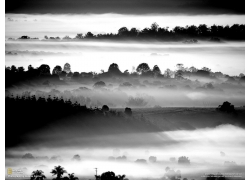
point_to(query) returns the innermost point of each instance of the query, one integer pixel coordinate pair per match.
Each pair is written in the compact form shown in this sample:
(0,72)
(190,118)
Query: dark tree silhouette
(226,107)
(123,31)
(105,108)
(89,35)
(67,68)
(128,111)
(79,36)
(37,175)
(111,176)
(44,69)
(156,70)
(114,69)
(142,68)
(58,171)
(57,70)
(71,177)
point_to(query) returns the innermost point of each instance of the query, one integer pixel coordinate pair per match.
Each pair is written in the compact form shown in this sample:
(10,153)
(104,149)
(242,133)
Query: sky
(69,17)
(126,6)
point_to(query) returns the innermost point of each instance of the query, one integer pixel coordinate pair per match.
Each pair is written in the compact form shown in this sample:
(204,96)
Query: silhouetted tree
(58,171)
(57,70)
(128,111)
(105,108)
(156,70)
(67,68)
(37,175)
(20,69)
(142,68)
(72,177)
(79,36)
(123,31)
(44,69)
(89,35)
(114,69)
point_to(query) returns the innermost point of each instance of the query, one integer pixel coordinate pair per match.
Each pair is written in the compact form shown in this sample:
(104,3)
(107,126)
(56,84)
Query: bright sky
(17,25)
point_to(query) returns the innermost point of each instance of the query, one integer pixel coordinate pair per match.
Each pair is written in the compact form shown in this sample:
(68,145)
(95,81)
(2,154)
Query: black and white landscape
(118,90)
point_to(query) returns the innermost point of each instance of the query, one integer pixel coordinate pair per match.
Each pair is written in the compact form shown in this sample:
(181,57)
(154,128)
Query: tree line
(28,113)
(14,75)
(155,32)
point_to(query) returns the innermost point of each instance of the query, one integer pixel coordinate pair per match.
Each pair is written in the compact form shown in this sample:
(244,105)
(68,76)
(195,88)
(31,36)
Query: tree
(241,75)
(206,69)
(111,176)
(66,37)
(142,68)
(179,66)
(89,35)
(128,111)
(44,69)
(192,69)
(46,37)
(168,73)
(183,160)
(114,69)
(123,31)
(76,75)
(67,68)
(154,27)
(30,67)
(72,177)
(133,32)
(57,70)
(203,30)
(13,69)
(76,157)
(179,74)
(37,175)
(105,108)
(156,70)
(20,69)
(99,84)
(79,36)
(58,171)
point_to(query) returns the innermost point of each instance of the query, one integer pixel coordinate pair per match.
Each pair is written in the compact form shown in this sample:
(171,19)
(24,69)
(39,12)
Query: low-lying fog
(227,58)
(207,149)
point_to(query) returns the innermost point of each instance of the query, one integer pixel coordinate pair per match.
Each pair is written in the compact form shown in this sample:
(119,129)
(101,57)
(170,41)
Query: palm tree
(72,176)
(58,171)
(37,175)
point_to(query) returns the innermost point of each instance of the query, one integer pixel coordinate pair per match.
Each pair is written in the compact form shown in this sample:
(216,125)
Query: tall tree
(44,69)
(156,70)
(67,68)
(58,171)
(37,175)
(142,68)
(57,70)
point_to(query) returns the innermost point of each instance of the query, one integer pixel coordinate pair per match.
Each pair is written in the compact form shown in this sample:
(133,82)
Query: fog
(202,146)
(227,58)
(38,25)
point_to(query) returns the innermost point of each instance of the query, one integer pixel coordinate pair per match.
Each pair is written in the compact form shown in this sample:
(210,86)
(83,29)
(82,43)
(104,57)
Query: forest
(191,33)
